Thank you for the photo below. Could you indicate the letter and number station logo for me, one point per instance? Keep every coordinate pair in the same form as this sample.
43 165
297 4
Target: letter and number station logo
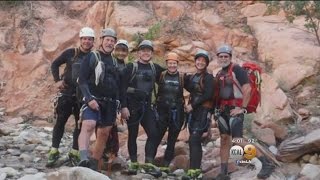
243 155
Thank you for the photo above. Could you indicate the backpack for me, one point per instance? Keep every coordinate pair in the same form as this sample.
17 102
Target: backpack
181 80
75 65
210 103
100 69
254 75
135 69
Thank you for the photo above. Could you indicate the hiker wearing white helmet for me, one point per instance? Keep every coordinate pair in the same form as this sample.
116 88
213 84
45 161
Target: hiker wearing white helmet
120 52
68 100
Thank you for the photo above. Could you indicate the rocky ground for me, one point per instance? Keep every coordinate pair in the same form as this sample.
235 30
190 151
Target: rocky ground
24 146
33 33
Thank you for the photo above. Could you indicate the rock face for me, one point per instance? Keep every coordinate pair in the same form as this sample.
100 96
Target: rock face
292 148
295 53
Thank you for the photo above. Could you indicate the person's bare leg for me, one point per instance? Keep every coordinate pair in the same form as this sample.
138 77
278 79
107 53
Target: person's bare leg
102 137
87 129
224 152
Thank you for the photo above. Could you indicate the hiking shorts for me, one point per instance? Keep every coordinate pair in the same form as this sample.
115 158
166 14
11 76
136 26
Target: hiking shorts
231 125
106 116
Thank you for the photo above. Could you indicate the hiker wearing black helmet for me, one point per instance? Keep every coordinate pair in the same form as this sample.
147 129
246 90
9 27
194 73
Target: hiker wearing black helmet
170 103
120 52
67 101
200 86
234 94
99 82
138 85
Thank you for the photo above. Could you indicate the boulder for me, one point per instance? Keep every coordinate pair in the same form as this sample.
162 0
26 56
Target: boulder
253 10
79 173
311 171
294 147
274 102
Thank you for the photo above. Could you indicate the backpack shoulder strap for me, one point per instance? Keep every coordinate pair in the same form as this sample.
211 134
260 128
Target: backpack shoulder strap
134 70
76 53
181 80
201 81
114 61
97 57
162 75
153 68
230 70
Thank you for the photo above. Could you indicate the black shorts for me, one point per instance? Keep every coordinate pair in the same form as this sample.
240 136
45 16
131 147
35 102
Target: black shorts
231 125
106 116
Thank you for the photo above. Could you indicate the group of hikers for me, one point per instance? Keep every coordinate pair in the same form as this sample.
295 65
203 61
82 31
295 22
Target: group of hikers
97 86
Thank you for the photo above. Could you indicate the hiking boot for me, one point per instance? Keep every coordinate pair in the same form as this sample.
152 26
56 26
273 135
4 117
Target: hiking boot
193 174
152 170
222 176
84 163
53 156
165 169
267 168
132 169
93 164
74 157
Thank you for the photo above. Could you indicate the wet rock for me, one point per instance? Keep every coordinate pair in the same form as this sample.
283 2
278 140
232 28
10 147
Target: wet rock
179 172
30 136
306 157
210 145
36 159
27 147
315 120
38 176
3 176
26 157
16 120
265 135
314 159
142 176
294 147
42 148
217 143
1 165
79 173
311 171
30 171
9 171
14 152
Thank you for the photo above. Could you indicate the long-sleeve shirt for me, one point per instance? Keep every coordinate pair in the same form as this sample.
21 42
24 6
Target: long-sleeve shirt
127 75
199 94
110 85
65 58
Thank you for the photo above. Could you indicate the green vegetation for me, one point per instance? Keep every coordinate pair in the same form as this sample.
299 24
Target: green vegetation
152 34
10 4
310 9
273 7
131 57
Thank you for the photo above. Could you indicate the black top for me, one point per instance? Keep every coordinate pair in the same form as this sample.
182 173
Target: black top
239 72
65 57
126 77
108 87
199 94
